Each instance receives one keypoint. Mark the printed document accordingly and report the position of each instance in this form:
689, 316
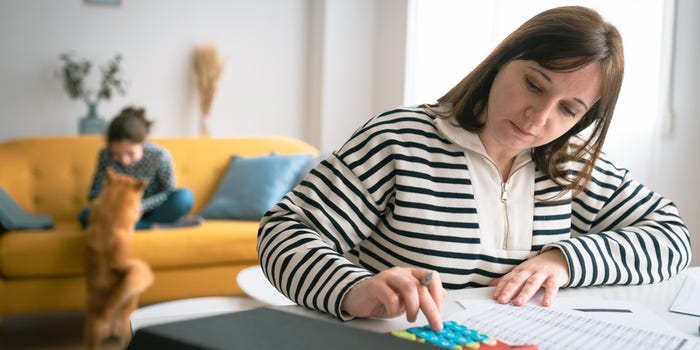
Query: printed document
582, 327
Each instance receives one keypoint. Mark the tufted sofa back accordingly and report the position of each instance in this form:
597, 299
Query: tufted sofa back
52, 175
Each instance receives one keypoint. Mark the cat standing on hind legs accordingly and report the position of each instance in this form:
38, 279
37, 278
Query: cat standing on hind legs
115, 279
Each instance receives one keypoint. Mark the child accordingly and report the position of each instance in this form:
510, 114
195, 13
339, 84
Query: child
128, 152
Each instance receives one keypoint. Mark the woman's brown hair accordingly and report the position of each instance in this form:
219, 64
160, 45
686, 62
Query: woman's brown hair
561, 39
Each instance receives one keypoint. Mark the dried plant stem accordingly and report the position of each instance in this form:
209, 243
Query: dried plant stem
204, 126
207, 68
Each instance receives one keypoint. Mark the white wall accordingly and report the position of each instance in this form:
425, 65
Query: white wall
264, 44
348, 44
676, 159
357, 65
311, 69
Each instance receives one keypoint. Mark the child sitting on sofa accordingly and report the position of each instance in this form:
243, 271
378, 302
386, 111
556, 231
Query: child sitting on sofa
128, 152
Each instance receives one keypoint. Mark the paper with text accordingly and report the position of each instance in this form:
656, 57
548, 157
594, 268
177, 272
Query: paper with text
557, 329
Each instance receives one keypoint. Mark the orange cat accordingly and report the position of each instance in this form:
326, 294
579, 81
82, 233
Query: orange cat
114, 277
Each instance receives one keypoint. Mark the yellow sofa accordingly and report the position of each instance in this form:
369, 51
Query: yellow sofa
42, 270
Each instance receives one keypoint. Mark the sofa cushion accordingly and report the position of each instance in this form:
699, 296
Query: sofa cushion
12, 217
252, 185
59, 252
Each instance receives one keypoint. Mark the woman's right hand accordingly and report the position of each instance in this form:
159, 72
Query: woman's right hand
396, 291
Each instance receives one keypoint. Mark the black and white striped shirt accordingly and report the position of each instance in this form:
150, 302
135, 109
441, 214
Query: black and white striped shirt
401, 192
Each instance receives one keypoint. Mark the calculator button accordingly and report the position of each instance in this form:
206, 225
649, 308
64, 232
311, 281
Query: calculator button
414, 330
462, 340
452, 336
431, 338
449, 335
440, 341
489, 341
403, 334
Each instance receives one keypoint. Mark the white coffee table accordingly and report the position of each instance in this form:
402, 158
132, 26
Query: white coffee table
255, 285
253, 282
185, 309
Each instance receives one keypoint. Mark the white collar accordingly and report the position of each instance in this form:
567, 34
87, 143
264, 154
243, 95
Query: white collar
472, 142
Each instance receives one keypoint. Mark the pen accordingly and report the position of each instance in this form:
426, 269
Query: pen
522, 347
605, 310
426, 279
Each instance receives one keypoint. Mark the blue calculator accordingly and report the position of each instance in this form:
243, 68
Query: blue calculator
456, 336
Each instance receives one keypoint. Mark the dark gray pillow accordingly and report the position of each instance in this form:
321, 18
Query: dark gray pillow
14, 218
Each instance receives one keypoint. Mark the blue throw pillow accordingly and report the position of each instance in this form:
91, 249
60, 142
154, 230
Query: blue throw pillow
13, 218
251, 186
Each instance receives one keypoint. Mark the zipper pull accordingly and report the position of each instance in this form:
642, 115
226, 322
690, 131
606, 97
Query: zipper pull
504, 193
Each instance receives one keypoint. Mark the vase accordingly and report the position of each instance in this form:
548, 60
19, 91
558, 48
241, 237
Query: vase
92, 123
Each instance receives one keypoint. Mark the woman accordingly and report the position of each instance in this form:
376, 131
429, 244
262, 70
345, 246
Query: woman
128, 152
491, 186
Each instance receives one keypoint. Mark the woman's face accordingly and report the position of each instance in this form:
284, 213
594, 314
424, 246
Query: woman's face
530, 106
125, 152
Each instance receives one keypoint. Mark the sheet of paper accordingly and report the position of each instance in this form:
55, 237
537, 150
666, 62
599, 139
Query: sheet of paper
627, 313
618, 311
686, 301
556, 329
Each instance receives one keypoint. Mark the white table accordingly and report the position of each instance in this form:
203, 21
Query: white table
255, 284
656, 298
185, 309
251, 280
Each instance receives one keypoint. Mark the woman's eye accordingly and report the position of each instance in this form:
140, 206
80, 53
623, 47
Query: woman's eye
532, 86
568, 111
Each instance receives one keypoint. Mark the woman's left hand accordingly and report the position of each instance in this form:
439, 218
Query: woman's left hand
548, 270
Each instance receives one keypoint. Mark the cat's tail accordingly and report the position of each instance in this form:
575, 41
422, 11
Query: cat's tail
137, 277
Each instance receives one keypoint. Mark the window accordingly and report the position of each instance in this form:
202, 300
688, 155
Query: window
447, 38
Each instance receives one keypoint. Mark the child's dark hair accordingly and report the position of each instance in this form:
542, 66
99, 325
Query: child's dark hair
130, 125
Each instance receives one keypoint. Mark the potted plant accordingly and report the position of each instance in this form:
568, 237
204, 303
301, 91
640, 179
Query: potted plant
74, 73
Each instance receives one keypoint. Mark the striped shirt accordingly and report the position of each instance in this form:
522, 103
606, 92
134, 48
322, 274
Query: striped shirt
155, 166
401, 192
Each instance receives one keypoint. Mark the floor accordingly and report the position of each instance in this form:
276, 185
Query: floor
64, 330
46, 331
